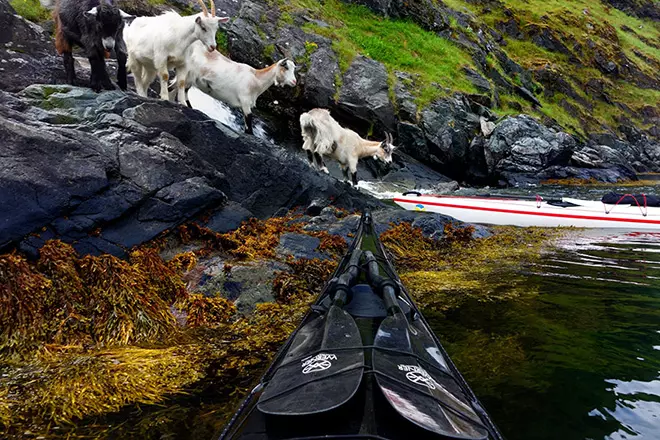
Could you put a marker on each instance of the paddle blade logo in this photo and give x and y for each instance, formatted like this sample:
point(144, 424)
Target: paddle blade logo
point(419, 376)
point(319, 362)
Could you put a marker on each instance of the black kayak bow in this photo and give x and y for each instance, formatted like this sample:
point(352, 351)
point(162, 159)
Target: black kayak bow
point(363, 364)
point(323, 367)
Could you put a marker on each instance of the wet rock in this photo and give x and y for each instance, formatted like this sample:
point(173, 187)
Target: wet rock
point(521, 145)
point(299, 246)
point(431, 224)
point(407, 173)
point(642, 154)
point(609, 175)
point(599, 156)
point(316, 206)
point(411, 140)
point(364, 93)
point(228, 218)
point(445, 187)
point(245, 284)
point(345, 227)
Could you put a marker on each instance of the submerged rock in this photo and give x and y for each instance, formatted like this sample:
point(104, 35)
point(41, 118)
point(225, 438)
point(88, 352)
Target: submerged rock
point(299, 246)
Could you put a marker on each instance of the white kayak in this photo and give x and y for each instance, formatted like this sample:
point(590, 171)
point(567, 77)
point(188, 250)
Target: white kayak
point(535, 211)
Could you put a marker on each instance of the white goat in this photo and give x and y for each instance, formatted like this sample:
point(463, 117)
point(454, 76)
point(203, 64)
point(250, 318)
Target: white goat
point(157, 44)
point(236, 84)
point(323, 136)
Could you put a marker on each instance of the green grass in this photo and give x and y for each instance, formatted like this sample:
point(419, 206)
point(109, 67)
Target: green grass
point(31, 10)
point(398, 44)
point(221, 42)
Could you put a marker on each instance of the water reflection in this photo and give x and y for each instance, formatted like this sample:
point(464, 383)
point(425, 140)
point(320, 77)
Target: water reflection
point(582, 358)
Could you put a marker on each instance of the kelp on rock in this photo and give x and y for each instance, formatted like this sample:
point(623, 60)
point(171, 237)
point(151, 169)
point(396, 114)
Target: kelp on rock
point(85, 337)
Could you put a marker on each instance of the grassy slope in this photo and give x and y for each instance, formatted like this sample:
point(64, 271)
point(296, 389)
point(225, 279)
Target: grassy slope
point(402, 45)
point(579, 21)
point(30, 9)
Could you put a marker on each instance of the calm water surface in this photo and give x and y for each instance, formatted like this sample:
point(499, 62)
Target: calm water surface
point(579, 358)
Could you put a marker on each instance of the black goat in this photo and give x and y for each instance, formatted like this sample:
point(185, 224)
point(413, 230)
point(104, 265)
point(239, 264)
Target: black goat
point(97, 26)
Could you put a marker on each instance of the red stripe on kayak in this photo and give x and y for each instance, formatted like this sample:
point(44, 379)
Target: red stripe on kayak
point(542, 214)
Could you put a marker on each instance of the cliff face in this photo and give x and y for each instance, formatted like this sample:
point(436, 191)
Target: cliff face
point(430, 70)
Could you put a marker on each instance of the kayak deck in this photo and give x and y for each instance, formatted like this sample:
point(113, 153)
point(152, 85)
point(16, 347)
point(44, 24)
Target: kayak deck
point(413, 394)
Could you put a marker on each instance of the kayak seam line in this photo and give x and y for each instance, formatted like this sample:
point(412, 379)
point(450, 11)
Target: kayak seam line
point(540, 214)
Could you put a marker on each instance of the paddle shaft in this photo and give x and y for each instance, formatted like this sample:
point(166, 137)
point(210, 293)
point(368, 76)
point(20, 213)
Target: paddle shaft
point(388, 292)
point(347, 279)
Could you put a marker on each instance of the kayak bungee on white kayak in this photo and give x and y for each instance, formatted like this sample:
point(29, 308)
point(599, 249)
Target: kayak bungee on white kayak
point(621, 211)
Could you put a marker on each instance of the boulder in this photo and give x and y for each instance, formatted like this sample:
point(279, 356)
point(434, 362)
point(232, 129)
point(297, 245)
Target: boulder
point(521, 145)
point(481, 83)
point(449, 126)
point(320, 80)
point(365, 93)
point(405, 101)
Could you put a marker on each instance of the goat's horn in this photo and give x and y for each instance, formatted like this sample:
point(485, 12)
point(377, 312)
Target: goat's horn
point(285, 51)
point(204, 10)
point(213, 11)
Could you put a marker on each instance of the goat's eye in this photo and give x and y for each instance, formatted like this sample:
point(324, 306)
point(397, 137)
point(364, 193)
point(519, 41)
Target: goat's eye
point(203, 28)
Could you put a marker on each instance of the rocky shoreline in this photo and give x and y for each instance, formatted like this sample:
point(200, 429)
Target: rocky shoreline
point(209, 244)
point(119, 169)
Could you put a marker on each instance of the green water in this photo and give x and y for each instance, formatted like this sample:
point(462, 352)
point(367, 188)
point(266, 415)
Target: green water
point(579, 358)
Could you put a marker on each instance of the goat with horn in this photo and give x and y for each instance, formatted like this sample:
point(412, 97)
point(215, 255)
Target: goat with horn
point(158, 44)
point(236, 84)
point(323, 136)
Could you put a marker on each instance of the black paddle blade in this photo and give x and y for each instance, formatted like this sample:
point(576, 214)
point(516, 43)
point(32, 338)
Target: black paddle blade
point(315, 376)
point(429, 399)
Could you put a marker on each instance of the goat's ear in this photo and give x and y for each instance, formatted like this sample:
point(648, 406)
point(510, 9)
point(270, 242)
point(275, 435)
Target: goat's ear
point(283, 63)
point(198, 20)
point(92, 12)
point(222, 19)
point(125, 15)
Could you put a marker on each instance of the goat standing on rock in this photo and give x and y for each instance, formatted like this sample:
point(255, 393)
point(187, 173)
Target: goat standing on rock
point(236, 84)
point(157, 44)
point(97, 27)
point(323, 136)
